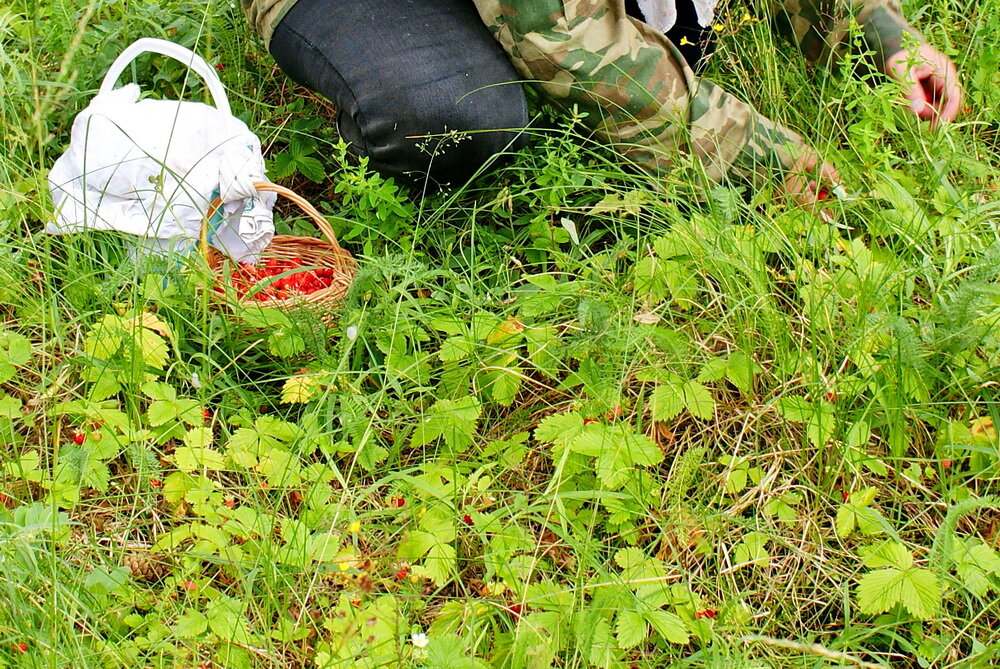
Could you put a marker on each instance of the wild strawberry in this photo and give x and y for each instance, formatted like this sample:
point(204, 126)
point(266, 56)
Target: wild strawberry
point(79, 438)
point(156, 483)
point(230, 502)
point(515, 610)
point(844, 496)
point(588, 421)
point(22, 647)
point(467, 519)
point(822, 194)
point(220, 67)
point(711, 614)
point(206, 414)
point(189, 585)
point(402, 573)
point(831, 396)
point(397, 502)
point(946, 464)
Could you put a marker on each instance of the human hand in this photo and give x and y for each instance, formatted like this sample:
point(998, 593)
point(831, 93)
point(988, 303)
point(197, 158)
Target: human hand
point(810, 181)
point(930, 83)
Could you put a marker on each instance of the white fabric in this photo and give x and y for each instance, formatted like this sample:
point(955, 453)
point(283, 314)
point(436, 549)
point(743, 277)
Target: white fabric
point(662, 14)
point(152, 167)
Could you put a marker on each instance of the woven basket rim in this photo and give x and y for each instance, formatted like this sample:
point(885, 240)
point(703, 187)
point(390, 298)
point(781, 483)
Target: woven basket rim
point(326, 253)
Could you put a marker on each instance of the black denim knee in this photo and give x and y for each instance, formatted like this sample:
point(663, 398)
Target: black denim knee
point(423, 89)
point(438, 137)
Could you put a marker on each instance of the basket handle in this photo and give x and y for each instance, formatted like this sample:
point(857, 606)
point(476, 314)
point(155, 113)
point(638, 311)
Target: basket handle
point(172, 50)
point(304, 205)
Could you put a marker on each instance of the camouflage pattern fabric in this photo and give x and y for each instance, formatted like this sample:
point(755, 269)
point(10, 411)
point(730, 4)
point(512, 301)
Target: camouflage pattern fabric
point(265, 14)
point(819, 27)
point(635, 88)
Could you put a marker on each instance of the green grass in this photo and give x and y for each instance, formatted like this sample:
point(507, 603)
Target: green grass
point(713, 432)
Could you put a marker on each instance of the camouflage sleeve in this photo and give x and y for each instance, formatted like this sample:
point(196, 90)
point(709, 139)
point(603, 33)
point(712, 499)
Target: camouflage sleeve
point(820, 27)
point(635, 89)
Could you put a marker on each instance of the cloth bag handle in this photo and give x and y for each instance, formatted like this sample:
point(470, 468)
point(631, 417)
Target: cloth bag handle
point(171, 50)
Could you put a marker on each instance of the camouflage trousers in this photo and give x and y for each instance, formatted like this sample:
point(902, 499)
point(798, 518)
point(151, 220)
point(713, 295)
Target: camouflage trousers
point(634, 89)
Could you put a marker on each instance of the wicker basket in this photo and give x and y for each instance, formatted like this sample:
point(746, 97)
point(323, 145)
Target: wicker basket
point(322, 253)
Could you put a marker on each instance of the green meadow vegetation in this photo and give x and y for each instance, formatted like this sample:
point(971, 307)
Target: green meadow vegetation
point(569, 415)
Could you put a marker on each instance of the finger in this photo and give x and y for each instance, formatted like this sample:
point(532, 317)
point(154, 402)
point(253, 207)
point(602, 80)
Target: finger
point(952, 97)
point(828, 175)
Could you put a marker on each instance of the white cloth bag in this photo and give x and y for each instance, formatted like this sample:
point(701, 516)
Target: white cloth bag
point(151, 168)
point(662, 14)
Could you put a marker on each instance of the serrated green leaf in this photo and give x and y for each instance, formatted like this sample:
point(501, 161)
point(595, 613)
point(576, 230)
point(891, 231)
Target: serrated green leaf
point(285, 344)
point(299, 389)
point(456, 348)
point(191, 459)
point(669, 626)
point(603, 650)
point(153, 348)
point(439, 563)
point(453, 420)
point(846, 521)
point(713, 370)
point(917, 590)
point(105, 339)
point(198, 437)
point(161, 413)
point(190, 625)
point(698, 400)
point(878, 591)
point(15, 351)
point(741, 370)
point(10, 407)
point(870, 522)
point(668, 401)
point(264, 318)
point(559, 429)
point(157, 390)
point(505, 385)
point(370, 455)
point(311, 168)
point(81, 469)
point(631, 629)
point(629, 558)
point(795, 409)
point(753, 548)
point(975, 562)
point(920, 593)
point(888, 554)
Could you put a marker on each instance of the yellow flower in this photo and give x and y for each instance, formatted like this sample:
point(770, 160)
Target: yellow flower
point(686, 42)
point(354, 527)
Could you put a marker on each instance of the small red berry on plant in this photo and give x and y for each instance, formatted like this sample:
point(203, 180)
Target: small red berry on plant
point(189, 585)
point(707, 613)
point(515, 610)
point(156, 483)
point(79, 438)
point(844, 496)
point(22, 647)
point(402, 573)
point(467, 519)
point(946, 464)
